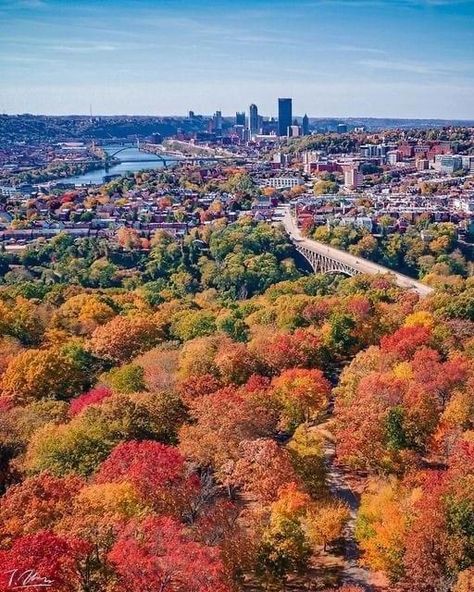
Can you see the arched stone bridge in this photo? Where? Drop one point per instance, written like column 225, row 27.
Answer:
column 326, row 259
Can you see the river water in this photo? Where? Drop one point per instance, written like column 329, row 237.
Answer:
column 97, row 176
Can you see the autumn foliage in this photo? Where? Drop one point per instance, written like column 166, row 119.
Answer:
column 161, row 438
column 156, row 554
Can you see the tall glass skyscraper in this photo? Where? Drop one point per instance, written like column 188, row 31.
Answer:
column 285, row 116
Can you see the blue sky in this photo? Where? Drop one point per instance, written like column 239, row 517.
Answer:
column 395, row 58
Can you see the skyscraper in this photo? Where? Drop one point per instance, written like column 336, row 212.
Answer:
column 253, row 120
column 218, row 121
column 305, row 125
column 240, row 118
column 285, row 116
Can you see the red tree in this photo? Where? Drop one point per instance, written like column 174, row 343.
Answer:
column 37, row 504
column 93, row 397
column 157, row 471
column 405, row 341
column 43, row 558
column 262, row 469
column 222, row 420
column 196, row 386
column 288, row 350
column 155, row 555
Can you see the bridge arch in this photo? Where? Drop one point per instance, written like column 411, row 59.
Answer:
column 322, row 264
column 158, row 156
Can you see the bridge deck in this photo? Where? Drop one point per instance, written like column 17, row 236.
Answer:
column 357, row 264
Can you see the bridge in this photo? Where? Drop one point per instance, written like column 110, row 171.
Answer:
column 167, row 158
column 326, row 259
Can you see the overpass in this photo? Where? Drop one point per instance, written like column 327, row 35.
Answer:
column 326, row 259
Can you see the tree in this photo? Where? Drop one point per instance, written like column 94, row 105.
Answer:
column 292, row 503
column 219, row 525
column 465, row 582
column 101, row 509
column 405, row 341
column 426, row 553
column 83, row 313
column 81, row 445
column 283, row 550
column 381, row 527
column 303, row 394
column 197, row 357
column 367, row 247
column 93, row 397
column 157, row 471
column 155, row 555
column 122, row 338
column 306, row 449
column 126, row 379
column 280, row 351
column 326, row 524
column 234, row 363
column 43, row 559
column 128, row 238
column 44, row 500
column 22, row 320
column 221, row 421
column 42, row 374
column 323, row 187
column 362, row 421
column 197, row 386
column 262, row 468
column 189, row 324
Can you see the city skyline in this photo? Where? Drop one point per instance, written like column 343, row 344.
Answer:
column 336, row 58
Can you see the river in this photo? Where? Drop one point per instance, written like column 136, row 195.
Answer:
column 132, row 153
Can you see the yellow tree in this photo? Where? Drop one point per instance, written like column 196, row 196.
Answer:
column 381, row 526
column 41, row 374
column 326, row 524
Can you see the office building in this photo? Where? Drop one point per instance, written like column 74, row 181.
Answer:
column 240, row 118
column 280, row 160
column 305, row 125
column 352, row 177
column 285, row 182
column 342, row 128
column 374, row 150
column 240, row 131
column 392, row 157
column 422, row 164
column 253, row 120
column 294, row 131
column 468, row 163
column 448, row 163
column 218, row 121
column 285, row 116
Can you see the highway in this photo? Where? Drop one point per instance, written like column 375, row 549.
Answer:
column 357, row 263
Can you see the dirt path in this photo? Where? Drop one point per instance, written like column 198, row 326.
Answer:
column 352, row 572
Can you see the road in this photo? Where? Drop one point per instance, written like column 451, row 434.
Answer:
column 362, row 265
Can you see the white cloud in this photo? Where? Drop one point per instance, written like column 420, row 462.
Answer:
column 409, row 67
